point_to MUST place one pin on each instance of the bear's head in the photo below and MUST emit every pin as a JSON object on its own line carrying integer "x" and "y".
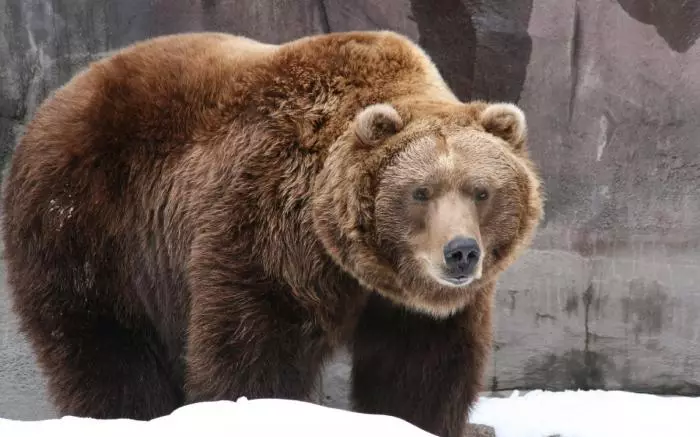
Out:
{"x": 427, "y": 202}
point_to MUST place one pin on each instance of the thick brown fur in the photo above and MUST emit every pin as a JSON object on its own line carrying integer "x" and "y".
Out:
{"x": 203, "y": 217}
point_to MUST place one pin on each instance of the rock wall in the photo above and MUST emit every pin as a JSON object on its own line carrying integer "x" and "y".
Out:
{"x": 609, "y": 295}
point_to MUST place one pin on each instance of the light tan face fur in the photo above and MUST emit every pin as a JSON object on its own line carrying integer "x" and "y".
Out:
{"x": 441, "y": 189}
{"x": 430, "y": 202}
{"x": 448, "y": 205}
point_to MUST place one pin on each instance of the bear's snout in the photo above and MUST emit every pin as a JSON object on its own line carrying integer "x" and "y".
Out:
{"x": 461, "y": 259}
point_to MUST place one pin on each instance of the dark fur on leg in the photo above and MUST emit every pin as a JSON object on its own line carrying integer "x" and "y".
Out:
{"x": 247, "y": 335}
{"x": 423, "y": 370}
{"x": 99, "y": 368}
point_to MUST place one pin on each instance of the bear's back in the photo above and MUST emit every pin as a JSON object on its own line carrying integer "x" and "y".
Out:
{"x": 162, "y": 95}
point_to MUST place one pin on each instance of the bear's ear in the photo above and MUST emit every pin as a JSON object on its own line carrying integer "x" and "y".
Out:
{"x": 506, "y": 121}
{"x": 375, "y": 123}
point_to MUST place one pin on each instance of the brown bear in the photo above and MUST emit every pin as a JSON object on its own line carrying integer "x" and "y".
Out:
{"x": 202, "y": 216}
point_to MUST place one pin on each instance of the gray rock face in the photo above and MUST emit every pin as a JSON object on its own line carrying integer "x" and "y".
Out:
{"x": 609, "y": 295}
{"x": 475, "y": 430}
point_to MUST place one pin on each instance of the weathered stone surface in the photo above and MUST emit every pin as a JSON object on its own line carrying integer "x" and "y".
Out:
{"x": 477, "y": 430}
{"x": 612, "y": 106}
{"x": 609, "y": 296}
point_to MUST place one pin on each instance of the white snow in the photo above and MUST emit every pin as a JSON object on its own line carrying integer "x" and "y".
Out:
{"x": 590, "y": 414}
{"x": 244, "y": 418}
{"x": 535, "y": 414}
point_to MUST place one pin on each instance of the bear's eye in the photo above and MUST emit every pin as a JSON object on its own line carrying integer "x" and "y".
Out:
{"x": 481, "y": 194}
{"x": 421, "y": 194}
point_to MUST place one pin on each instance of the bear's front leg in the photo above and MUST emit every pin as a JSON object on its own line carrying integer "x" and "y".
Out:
{"x": 424, "y": 370}
{"x": 247, "y": 336}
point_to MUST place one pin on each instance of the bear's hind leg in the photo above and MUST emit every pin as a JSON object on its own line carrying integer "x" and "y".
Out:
{"x": 97, "y": 367}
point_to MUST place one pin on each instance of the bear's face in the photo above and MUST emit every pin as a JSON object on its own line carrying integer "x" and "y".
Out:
{"x": 432, "y": 201}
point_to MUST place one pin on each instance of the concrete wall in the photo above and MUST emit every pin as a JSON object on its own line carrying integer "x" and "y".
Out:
{"x": 609, "y": 296}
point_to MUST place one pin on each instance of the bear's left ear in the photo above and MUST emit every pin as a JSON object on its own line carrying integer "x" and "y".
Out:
{"x": 375, "y": 123}
{"x": 506, "y": 121}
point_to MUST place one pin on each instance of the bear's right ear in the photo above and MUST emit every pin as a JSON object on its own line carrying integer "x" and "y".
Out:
{"x": 375, "y": 123}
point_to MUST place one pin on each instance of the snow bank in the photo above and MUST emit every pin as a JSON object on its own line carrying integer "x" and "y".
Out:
{"x": 590, "y": 414}
{"x": 244, "y": 418}
{"x": 536, "y": 414}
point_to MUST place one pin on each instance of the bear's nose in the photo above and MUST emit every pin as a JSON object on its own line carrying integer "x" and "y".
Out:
{"x": 461, "y": 256}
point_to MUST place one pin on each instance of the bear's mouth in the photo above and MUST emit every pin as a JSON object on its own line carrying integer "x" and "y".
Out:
{"x": 456, "y": 281}
{"x": 447, "y": 277}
